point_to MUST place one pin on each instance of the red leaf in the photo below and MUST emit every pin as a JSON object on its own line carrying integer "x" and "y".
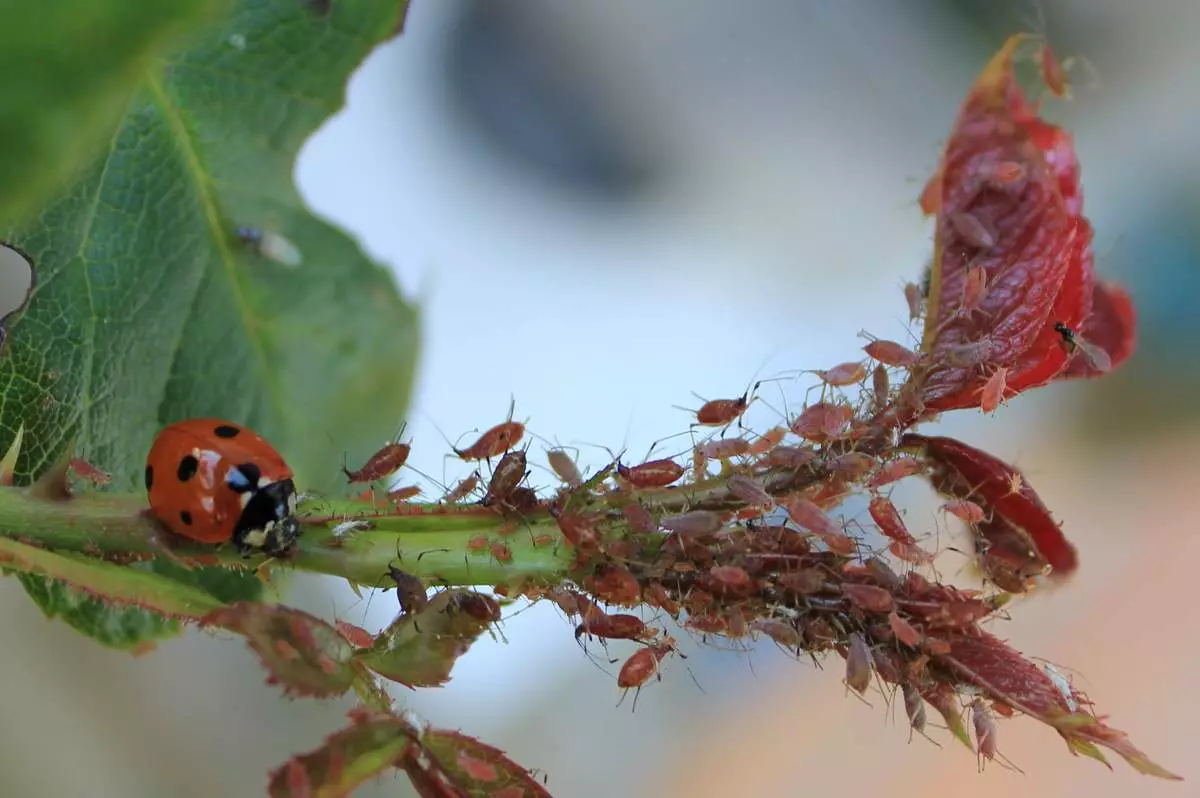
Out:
{"x": 419, "y": 649}
{"x": 472, "y": 767}
{"x": 1015, "y": 179}
{"x": 1018, "y": 527}
{"x": 988, "y": 664}
{"x": 302, "y": 653}
{"x": 1112, "y": 326}
{"x": 346, "y": 760}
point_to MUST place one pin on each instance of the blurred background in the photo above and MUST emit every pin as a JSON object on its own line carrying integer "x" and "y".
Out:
{"x": 603, "y": 207}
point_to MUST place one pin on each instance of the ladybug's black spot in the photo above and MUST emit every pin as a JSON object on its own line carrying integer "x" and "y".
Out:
{"x": 250, "y": 474}
{"x": 186, "y": 518}
{"x": 187, "y": 468}
{"x": 149, "y": 476}
{"x": 226, "y": 431}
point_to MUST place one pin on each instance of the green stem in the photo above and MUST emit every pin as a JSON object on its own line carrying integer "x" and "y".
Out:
{"x": 429, "y": 541}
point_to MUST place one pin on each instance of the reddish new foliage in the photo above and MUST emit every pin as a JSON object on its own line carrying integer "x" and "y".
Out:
{"x": 1036, "y": 259}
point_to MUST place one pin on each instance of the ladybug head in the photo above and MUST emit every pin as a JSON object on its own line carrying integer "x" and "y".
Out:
{"x": 266, "y": 523}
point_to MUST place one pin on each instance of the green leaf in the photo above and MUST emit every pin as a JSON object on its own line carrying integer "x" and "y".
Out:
{"x": 69, "y": 68}
{"x": 127, "y": 628}
{"x": 301, "y": 652}
{"x": 113, "y": 583}
{"x": 149, "y": 308}
{"x": 228, "y": 585}
{"x": 419, "y": 649}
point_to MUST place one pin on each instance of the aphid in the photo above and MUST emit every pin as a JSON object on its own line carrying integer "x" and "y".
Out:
{"x": 410, "y": 591}
{"x": 869, "y": 597}
{"x": 904, "y": 631}
{"x": 895, "y": 470}
{"x": 621, "y": 626}
{"x": 1062, "y": 684}
{"x": 891, "y": 353}
{"x": 477, "y": 544}
{"x": 887, "y": 518}
{"x": 782, "y": 633}
{"x": 508, "y": 474}
{"x": 1054, "y": 72}
{"x": 720, "y": 412}
{"x": 965, "y": 510}
{"x": 1015, "y": 483}
{"x": 767, "y": 441}
{"x": 880, "y": 387}
{"x": 749, "y": 491}
{"x": 478, "y": 606}
{"x": 355, "y": 635}
{"x": 501, "y": 551}
{"x": 791, "y": 457}
{"x": 346, "y": 527}
{"x": 639, "y": 519}
{"x": 730, "y": 579}
{"x": 844, "y": 374}
{"x": 992, "y": 393}
{"x": 972, "y": 353}
{"x": 270, "y": 245}
{"x": 1073, "y": 342}
{"x": 723, "y": 449}
{"x": 822, "y": 422}
{"x": 809, "y": 516}
{"x": 858, "y": 664}
{"x": 403, "y": 494}
{"x": 914, "y": 707}
{"x": 87, "y": 471}
{"x": 657, "y": 596}
{"x": 652, "y": 474}
{"x": 974, "y": 289}
{"x": 851, "y": 466}
{"x": 804, "y": 582}
{"x": 564, "y": 467}
{"x": 1004, "y": 175}
{"x": 522, "y": 500}
{"x": 697, "y": 523}
{"x": 972, "y": 230}
{"x": 985, "y": 729}
{"x": 579, "y": 530}
{"x": 614, "y": 584}
{"x": 494, "y": 442}
{"x": 383, "y": 463}
{"x": 915, "y": 298}
{"x": 643, "y": 664}
{"x": 463, "y": 489}
{"x": 910, "y": 553}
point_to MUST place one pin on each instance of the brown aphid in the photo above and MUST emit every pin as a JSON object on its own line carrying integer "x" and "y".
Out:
{"x": 915, "y": 300}
{"x": 86, "y": 470}
{"x": 477, "y": 544}
{"x": 974, "y": 289}
{"x": 614, "y": 584}
{"x": 767, "y": 441}
{"x": 720, "y": 412}
{"x": 410, "y": 591}
{"x": 804, "y": 582}
{"x": 643, "y": 664}
{"x": 501, "y": 551}
{"x": 851, "y": 466}
{"x": 869, "y": 598}
{"x": 887, "y": 518}
{"x": 657, "y": 596}
{"x": 463, "y": 489}
{"x": 730, "y": 579}
{"x": 985, "y": 730}
{"x": 494, "y": 442}
{"x": 858, "y": 664}
{"x": 880, "y": 387}
{"x": 697, "y": 523}
{"x": 890, "y": 353}
{"x": 910, "y": 553}
{"x": 895, "y": 470}
{"x": 403, "y": 494}
{"x": 508, "y": 475}
{"x": 639, "y": 519}
{"x": 383, "y": 463}
{"x": 972, "y": 230}
{"x": 651, "y": 474}
{"x": 723, "y": 449}
{"x": 965, "y": 510}
{"x": 905, "y": 632}
{"x": 822, "y": 422}
{"x": 914, "y": 707}
{"x": 791, "y": 457}
{"x": 782, "y": 633}
{"x": 621, "y": 626}
{"x": 564, "y": 467}
{"x": 843, "y": 374}
{"x": 748, "y": 490}
{"x": 478, "y": 606}
{"x": 578, "y": 530}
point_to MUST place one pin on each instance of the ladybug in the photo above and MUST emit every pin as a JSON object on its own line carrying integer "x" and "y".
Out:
{"x": 213, "y": 481}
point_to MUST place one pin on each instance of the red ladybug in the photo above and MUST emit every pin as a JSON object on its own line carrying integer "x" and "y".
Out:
{"x": 213, "y": 481}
